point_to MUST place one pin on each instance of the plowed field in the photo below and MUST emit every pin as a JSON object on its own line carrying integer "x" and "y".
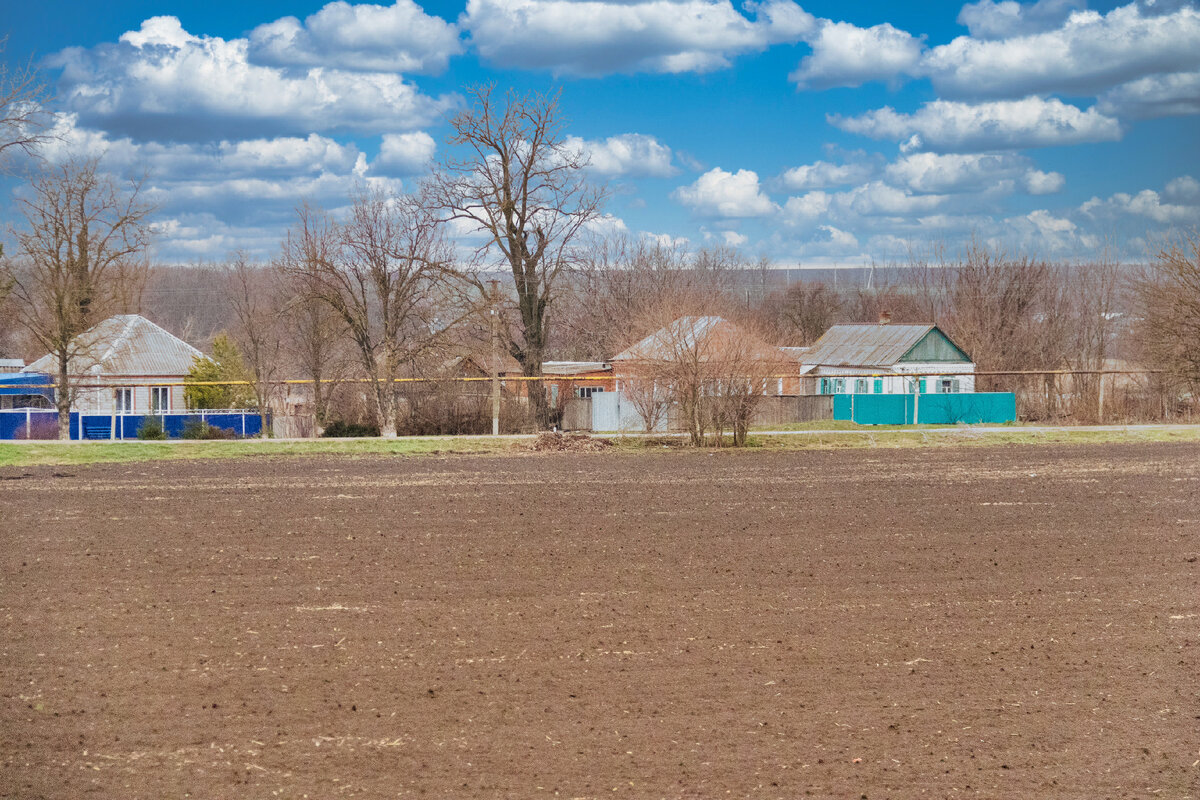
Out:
{"x": 995, "y": 622}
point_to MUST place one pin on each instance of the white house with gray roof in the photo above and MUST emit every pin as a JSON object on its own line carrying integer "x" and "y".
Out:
{"x": 126, "y": 365}
{"x": 888, "y": 358}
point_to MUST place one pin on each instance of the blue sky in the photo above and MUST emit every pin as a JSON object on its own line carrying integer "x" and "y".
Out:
{"x": 813, "y": 134}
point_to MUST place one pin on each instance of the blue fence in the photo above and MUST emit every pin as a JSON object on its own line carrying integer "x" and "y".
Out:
{"x": 40, "y": 424}
{"x": 970, "y": 408}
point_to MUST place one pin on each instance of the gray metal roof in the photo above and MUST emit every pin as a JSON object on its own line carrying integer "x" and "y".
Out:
{"x": 126, "y": 344}
{"x": 865, "y": 345}
{"x": 661, "y": 344}
{"x": 573, "y": 367}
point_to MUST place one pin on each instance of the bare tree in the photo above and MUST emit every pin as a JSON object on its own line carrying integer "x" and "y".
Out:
{"x": 524, "y": 189}
{"x": 23, "y": 114}
{"x": 1168, "y": 299}
{"x": 646, "y": 386}
{"x": 378, "y": 271}
{"x": 803, "y": 312}
{"x": 80, "y": 228}
{"x": 315, "y": 344}
{"x": 253, "y": 292}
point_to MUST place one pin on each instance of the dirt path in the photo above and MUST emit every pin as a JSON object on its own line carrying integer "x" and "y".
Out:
{"x": 994, "y": 622}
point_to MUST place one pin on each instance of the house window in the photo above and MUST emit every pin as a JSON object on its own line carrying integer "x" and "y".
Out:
{"x": 839, "y": 385}
{"x": 860, "y": 385}
{"x": 949, "y": 386}
{"x": 160, "y": 399}
{"x": 879, "y": 386}
{"x": 588, "y": 391}
{"x": 921, "y": 387}
{"x": 123, "y": 401}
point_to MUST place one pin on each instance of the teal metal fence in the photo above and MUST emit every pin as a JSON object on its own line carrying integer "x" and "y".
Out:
{"x": 969, "y": 408}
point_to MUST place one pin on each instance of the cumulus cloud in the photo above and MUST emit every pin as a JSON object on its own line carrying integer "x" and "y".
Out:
{"x": 1089, "y": 53}
{"x": 1146, "y": 204}
{"x": 396, "y": 38}
{"x": 718, "y": 193}
{"x": 405, "y": 153}
{"x": 991, "y": 20}
{"x": 598, "y": 37}
{"x": 970, "y": 172}
{"x": 161, "y": 82}
{"x": 947, "y": 126}
{"x": 846, "y": 55}
{"x": 1184, "y": 190}
{"x": 630, "y": 154}
{"x": 1154, "y": 96}
{"x": 823, "y": 175}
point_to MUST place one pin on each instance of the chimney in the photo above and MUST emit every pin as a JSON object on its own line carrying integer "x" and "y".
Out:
{"x": 885, "y": 317}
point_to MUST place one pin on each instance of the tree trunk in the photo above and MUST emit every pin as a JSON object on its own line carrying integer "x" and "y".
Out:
{"x": 62, "y": 398}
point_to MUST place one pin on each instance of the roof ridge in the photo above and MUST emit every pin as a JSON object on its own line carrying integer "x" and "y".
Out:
{"x": 130, "y": 321}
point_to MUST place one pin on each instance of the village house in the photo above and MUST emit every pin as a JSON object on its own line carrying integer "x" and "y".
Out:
{"x": 126, "y": 365}
{"x": 887, "y": 358}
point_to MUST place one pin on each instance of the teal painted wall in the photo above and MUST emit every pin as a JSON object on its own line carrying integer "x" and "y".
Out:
{"x": 935, "y": 409}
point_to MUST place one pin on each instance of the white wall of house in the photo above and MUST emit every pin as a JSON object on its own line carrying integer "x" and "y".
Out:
{"x": 937, "y": 378}
{"x": 104, "y": 400}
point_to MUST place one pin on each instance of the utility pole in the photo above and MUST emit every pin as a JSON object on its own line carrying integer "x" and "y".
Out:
{"x": 494, "y": 312}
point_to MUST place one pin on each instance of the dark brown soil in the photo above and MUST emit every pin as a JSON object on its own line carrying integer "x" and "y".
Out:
{"x": 1005, "y": 622}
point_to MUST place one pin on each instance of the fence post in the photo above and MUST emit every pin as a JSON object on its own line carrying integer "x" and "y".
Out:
{"x": 1100, "y": 408}
{"x": 28, "y": 425}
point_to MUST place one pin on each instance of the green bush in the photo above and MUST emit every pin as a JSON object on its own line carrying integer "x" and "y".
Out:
{"x": 200, "y": 429}
{"x": 339, "y": 429}
{"x": 151, "y": 428}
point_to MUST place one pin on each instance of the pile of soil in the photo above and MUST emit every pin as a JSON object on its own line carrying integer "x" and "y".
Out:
{"x": 555, "y": 442}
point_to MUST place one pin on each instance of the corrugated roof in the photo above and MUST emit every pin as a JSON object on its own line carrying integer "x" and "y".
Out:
{"x": 865, "y": 345}
{"x": 126, "y": 344}
{"x": 573, "y": 367}
{"x": 659, "y": 345}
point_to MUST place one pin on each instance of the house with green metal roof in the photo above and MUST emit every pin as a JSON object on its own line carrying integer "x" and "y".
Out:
{"x": 887, "y": 358}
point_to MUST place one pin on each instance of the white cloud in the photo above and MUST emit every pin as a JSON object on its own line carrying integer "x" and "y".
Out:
{"x": 970, "y": 172}
{"x": 405, "y": 153}
{"x": 718, "y": 193}
{"x": 1146, "y": 204}
{"x": 823, "y": 174}
{"x": 1172, "y": 95}
{"x": 1184, "y": 190}
{"x": 598, "y": 37}
{"x": 807, "y": 207}
{"x": 878, "y": 198}
{"x": 946, "y": 126}
{"x": 1041, "y": 232}
{"x": 840, "y": 238}
{"x": 396, "y": 38}
{"x": 991, "y": 20}
{"x": 1037, "y": 182}
{"x": 1089, "y": 53}
{"x": 160, "y": 82}
{"x": 846, "y": 55}
{"x": 632, "y": 154}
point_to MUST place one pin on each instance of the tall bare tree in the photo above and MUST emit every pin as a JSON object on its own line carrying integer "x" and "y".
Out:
{"x": 81, "y": 227}
{"x": 24, "y": 118}
{"x": 1168, "y": 298}
{"x": 316, "y": 344}
{"x": 254, "y": 294}
{"x": 378, "y": 270}
{"x": 519, "y": 184}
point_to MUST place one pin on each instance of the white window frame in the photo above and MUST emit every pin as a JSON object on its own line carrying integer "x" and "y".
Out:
{"x": 123, "y": 400}
{"x": 160, "y": 399}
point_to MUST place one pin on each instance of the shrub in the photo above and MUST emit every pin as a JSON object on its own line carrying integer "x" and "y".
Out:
{"x": 151, "y": 428}
{"x": 339, "y": 429}
{"x": 200, "y": 429}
